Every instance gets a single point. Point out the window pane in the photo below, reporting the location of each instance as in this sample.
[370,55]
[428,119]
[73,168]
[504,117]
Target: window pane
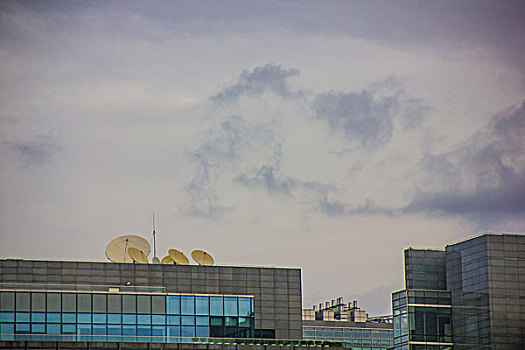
[69,329]
[216,321]
[187,305]
[38,317]
[84,318]
[201,305]
[187,331]
[245,322]
[216,307]
[129,304]
[99,318]
[129,319]
[7,317]
[99,303]
[230,321]
[69,302]
[53,329]
[7,301]
[230,306]
[38,328]
[202,321]
[245,307]
[173,320]
[22,301]
[84,302]
[114,318]
[202,331]
[22,316]
[144,319]
[114,304]
[144,304]
[158,319]
[158,331]
[173,304]
[38,301]
[188,320]
[158,304]
[69,318]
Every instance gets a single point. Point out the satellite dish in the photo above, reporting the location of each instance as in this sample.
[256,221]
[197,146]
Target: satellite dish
[117,249]
[178,257]
[167,260]
[202,258]
[155,260]
[137,255]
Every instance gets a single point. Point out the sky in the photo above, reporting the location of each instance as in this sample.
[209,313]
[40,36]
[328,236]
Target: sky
[325,135]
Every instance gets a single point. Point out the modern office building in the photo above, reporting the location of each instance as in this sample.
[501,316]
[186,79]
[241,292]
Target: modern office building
[111,304]
[348,324]
[471,295]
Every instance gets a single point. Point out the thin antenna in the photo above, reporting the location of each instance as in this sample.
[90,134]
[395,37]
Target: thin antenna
[155,259]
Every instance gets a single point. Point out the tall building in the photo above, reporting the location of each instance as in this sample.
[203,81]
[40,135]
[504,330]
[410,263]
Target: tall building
[469,296]
[348,324]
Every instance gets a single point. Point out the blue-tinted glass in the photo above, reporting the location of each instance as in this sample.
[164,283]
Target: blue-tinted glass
[53,329]
[115,318]
[230,306]
[187,305]
[173,334]
[245,307]
[158,331]
[158,319]
[144,330]
[69,318]
[7,317]
[144,319]
[7,328]
[22,317]
[202,305]
[245,322]
[173,302]
[84,318]
[99,329]
[99,318]
[53,317]
[69,329]
[38,317]
[129,319]
[84,329]
[202,321]
[38,328]
[230,321]
[216,306]
[114,331]
[188,320]
[129,330]
[187,331]
[173,320]
[202,331]
[22,327]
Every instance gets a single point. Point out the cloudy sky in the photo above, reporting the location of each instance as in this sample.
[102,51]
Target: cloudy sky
[323,135]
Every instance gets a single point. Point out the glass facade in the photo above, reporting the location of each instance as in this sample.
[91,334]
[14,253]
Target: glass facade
[352,337]
[126,317]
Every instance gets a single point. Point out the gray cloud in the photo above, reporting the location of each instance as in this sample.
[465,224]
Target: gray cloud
[364,118]
[43,149]
[483,178]
[270,77]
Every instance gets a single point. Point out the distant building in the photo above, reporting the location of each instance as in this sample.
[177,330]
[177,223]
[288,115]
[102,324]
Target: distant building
[469,296]
[347,323]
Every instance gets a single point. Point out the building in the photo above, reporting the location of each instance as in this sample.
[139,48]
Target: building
[347,323]
[121,303]
[469,296]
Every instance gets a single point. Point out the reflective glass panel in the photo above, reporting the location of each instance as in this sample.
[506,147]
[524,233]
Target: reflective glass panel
[158,331]
[187,331]
[129,330]
[84,329]
[202,321]
[202,305]
[202,331]
[99,329]
[53,317]
[69,328]
[230,321]
[245,307]
[22,327]
[53,329]
[144,319]
[114,318]
[7,317]
[129,319]
[99,318]
[69,318]
[188,320]
[216,306]
[84,318]
[230,306]
[38,317]
[173,304]
[23,317]
[158,319]
[143,330]
[173,320]
[187,303]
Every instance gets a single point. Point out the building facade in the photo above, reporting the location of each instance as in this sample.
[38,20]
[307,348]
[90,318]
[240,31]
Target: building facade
[146,303]
[469,296]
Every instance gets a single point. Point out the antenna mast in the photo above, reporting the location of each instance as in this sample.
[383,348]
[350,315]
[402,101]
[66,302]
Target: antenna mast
[155,259]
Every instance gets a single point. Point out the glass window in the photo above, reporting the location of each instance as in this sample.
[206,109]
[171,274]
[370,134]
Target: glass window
[143,330]
[22,328]
[7,317]
[187,305]
[187,331]
[114,331]
[158,304]
[7,328]
[84,302]
[216,306]
[129,330]
[144,304]
[245,307]
[129,304]
[69,302]
[99,329]
[173,304]
[158,331]
[202,331]
[144,319]
[114,318]
[38,301]
[158,319]
[188,320]
[84,318]
[230,321]
[22,316]
[129,319]
[38,317]
[99,318]
[23,302]
[69,318]
[230,306]
[53,317]
[202,321]
[202,305]
[173,331]
[245,322]
[114,304]
[99,303]
[38,328]
[53,329]
[173,320]
[216,321]
[7,301]
[84,329]
[69,329]
[53,302]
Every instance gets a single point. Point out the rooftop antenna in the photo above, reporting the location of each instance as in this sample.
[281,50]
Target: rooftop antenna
[155,260]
